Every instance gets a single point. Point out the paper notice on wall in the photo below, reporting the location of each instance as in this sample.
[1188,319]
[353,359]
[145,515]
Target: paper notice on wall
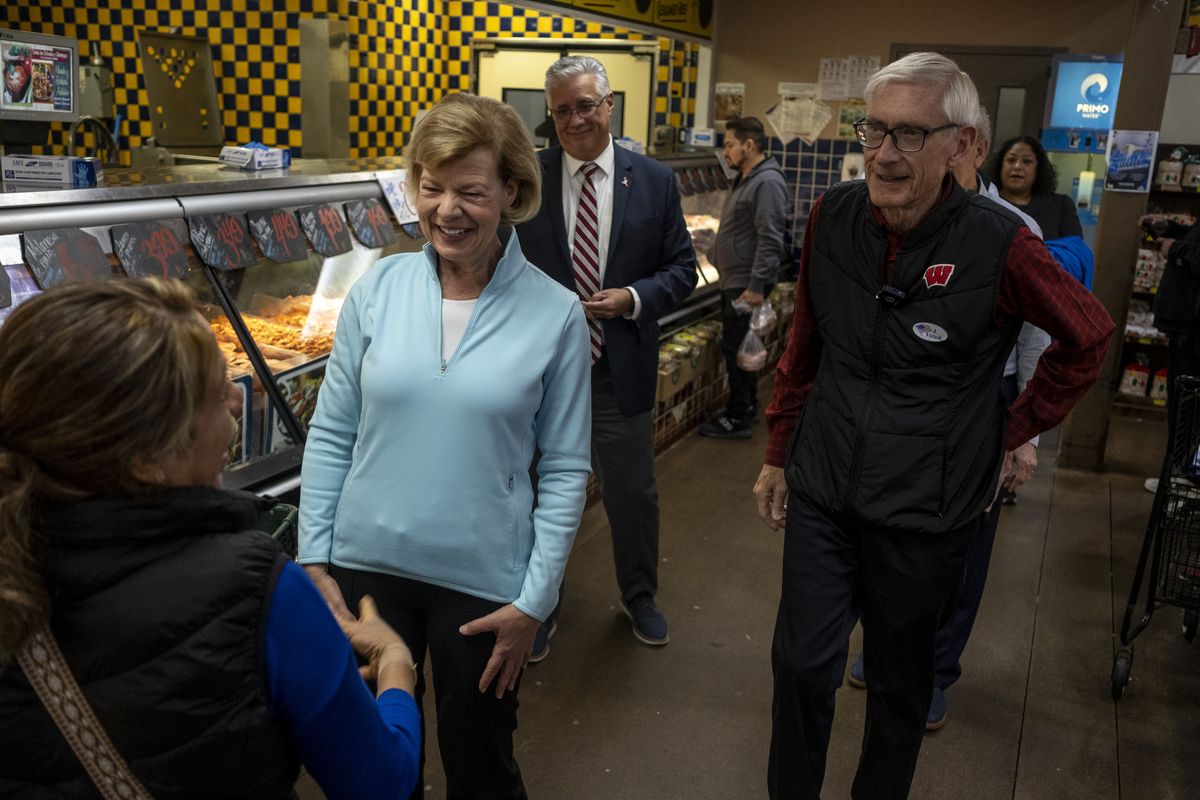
[797,89]
[859,70]
[833,79]
[850,112]
[730,101]
[803,117]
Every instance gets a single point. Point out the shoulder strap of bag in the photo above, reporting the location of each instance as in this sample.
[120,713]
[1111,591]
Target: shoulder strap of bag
[51,678]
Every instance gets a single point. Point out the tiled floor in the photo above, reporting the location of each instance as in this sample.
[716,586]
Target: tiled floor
[1032,718]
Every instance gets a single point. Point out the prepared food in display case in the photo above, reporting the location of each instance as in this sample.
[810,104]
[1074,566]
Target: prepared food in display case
[285,329]
[703,228]
[291,324]
[702,180]
[286,338]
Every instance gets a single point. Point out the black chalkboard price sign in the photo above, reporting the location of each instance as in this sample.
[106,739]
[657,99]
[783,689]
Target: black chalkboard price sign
[326,230]
[278,234]
[222,240]
[5,288]
[64,255]
[148,249]
[370,223]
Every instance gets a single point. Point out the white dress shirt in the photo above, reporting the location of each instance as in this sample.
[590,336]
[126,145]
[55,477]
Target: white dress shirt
[602,181]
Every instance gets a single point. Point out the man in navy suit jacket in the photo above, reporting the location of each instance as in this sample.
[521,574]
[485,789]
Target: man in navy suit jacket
[647,267]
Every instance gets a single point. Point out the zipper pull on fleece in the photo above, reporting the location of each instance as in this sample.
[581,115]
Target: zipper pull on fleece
[442,368]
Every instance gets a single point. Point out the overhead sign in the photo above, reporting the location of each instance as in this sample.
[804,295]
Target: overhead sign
[636,10]
[686,16]
[692,17]
[1085,94]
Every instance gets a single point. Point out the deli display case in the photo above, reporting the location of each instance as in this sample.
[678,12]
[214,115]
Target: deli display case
[270,256]
[691,367]
[702,179]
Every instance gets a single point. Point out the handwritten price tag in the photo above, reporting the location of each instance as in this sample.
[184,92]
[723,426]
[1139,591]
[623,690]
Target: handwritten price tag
[370,223]
[392,184]
[222,241]
[149,249]
[278,235]
[326,229]
[65,255]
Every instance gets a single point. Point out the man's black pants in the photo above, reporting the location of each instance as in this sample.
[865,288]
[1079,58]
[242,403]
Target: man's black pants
[623,461]
[835,570]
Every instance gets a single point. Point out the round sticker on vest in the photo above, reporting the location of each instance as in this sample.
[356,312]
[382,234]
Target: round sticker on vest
[930,332]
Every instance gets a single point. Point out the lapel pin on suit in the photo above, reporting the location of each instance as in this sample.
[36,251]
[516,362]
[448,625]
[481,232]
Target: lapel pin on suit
[625,182]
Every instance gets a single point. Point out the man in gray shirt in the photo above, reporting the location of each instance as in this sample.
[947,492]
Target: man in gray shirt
[748,252]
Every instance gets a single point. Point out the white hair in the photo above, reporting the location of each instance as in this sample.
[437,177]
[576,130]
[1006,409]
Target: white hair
[569,67]
[983,126]
[960,99]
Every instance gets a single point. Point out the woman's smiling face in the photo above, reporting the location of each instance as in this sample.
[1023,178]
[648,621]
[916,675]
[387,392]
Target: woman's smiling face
[459,205]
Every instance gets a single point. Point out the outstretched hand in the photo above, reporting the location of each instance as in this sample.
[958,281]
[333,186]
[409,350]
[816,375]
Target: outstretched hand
[389,661]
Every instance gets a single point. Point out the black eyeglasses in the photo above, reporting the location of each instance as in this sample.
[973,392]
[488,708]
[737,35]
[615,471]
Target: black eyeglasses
[585,110]
[908,138]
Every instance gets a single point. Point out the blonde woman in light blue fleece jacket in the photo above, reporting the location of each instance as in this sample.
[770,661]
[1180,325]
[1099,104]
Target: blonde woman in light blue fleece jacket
[449,368]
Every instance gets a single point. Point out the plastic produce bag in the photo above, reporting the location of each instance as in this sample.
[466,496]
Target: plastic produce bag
[751,354]
[763,318]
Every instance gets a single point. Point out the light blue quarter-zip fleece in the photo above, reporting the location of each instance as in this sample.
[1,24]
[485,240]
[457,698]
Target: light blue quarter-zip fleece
[420,468]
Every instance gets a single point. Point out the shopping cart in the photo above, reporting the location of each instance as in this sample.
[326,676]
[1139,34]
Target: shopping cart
[1171,548]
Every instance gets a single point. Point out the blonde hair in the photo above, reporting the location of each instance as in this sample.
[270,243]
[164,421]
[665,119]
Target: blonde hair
[462,122]
[95,380]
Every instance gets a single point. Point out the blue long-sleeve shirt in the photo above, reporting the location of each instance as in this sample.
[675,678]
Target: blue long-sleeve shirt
[418,467]
[355,747]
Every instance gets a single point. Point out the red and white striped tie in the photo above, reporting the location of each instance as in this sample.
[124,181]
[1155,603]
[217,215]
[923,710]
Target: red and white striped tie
[585,251]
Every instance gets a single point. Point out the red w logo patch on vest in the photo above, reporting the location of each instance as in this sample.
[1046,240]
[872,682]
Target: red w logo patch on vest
[938,275]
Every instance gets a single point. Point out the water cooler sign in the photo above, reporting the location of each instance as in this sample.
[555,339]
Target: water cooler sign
[1085,95]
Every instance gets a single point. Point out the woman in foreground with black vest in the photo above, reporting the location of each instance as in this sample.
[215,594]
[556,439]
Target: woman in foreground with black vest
[206,655]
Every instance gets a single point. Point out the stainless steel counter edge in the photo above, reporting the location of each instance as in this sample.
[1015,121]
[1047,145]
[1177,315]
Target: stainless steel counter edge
[88,215]
[177,192]
[278,198]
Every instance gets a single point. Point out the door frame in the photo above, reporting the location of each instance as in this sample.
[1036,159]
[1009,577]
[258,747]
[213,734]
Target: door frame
[564,47]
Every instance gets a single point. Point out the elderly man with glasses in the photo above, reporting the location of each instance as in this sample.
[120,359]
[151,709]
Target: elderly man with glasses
[888,434]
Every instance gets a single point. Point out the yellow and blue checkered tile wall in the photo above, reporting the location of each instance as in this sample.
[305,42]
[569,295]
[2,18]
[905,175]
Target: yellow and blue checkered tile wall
[404,55]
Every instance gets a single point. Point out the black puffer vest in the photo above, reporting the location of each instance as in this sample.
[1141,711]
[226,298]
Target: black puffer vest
[904,426]
[160,606]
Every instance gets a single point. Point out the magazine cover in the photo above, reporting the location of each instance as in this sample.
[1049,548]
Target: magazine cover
[1130,160]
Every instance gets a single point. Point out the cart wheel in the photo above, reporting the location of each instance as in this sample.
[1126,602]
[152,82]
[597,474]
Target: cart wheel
[1191,618]
[1122,663]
